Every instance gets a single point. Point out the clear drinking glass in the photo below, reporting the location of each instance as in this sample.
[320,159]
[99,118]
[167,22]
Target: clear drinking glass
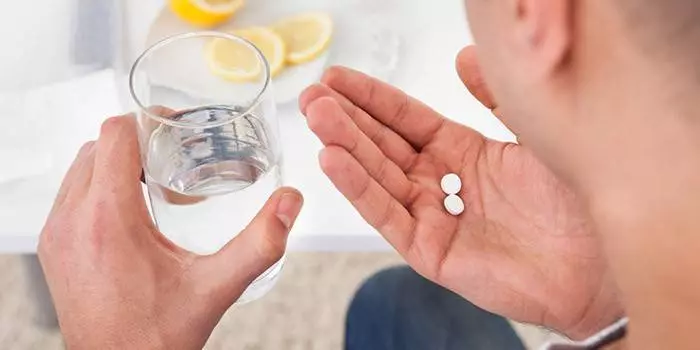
[209,146]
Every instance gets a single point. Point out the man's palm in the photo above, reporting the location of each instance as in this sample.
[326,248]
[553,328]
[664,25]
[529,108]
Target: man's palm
[522,248]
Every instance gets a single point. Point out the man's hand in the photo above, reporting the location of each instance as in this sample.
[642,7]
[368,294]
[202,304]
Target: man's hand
[523,248]
[117,282]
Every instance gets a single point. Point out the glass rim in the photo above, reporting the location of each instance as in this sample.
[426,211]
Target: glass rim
[198,34]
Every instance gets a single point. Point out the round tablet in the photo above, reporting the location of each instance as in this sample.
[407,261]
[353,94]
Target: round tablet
[451,184]
[454,205]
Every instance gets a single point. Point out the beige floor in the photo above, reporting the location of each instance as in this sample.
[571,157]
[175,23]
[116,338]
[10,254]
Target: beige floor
[305,311]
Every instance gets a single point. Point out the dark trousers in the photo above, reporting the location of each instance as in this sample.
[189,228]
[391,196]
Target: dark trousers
[397,309]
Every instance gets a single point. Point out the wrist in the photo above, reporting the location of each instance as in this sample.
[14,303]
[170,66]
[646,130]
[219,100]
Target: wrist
[604,309]
[612,337]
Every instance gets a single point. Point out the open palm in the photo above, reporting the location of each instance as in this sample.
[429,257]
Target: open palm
[522,248]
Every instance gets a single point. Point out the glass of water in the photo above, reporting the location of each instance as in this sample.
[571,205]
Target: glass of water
[209,146]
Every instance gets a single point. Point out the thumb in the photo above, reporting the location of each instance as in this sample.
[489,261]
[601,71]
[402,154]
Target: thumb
[260,245]
[470,73]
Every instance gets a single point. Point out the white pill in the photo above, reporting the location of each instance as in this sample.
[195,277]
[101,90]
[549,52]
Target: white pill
[454,205]
[451,184]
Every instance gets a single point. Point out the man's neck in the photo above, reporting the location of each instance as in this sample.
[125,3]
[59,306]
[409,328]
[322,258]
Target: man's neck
[645,118]
[644,196]
[641,176]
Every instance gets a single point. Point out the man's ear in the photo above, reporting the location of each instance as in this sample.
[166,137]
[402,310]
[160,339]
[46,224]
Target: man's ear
[544,32]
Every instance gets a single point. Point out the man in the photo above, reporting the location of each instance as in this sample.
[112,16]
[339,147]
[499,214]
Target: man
[591,218]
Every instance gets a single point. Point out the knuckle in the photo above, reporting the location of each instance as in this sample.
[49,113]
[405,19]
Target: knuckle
[271,250]
[354,145]
[365,188]
[98,221]
[401,111]
[314,121]
[112,124]
[116,125]
[312,93]
[44,243]
[55,235]
[385,218]
[46,236]
[100,216]
[370,88]
[46,247]
[382,169]
[86,147]
[332,74]
[379,137]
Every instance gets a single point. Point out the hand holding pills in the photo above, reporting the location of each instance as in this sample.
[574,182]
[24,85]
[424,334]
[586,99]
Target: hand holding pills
[389,155]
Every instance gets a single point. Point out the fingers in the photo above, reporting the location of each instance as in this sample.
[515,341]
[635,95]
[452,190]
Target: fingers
[371,200]
[255,249]
[390,143]
[78,176]
[408,117]
[334,127]
[469,72]
[150,124]
[117,160]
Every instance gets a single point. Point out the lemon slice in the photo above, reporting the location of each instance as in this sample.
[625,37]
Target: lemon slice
[270,44]
[205,13]
[307,36]
[233,60]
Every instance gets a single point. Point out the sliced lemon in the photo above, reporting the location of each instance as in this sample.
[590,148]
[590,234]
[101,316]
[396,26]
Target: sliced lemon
[205,13]
[233,60]
[307,36]
[270,44]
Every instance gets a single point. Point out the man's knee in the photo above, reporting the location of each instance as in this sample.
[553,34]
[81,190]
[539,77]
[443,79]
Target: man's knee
[376,309]
[384,285]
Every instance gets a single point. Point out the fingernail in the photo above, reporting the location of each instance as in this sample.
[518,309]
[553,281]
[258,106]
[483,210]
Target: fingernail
[288,208]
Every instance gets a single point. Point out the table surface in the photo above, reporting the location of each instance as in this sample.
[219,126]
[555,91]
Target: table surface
[431,37]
